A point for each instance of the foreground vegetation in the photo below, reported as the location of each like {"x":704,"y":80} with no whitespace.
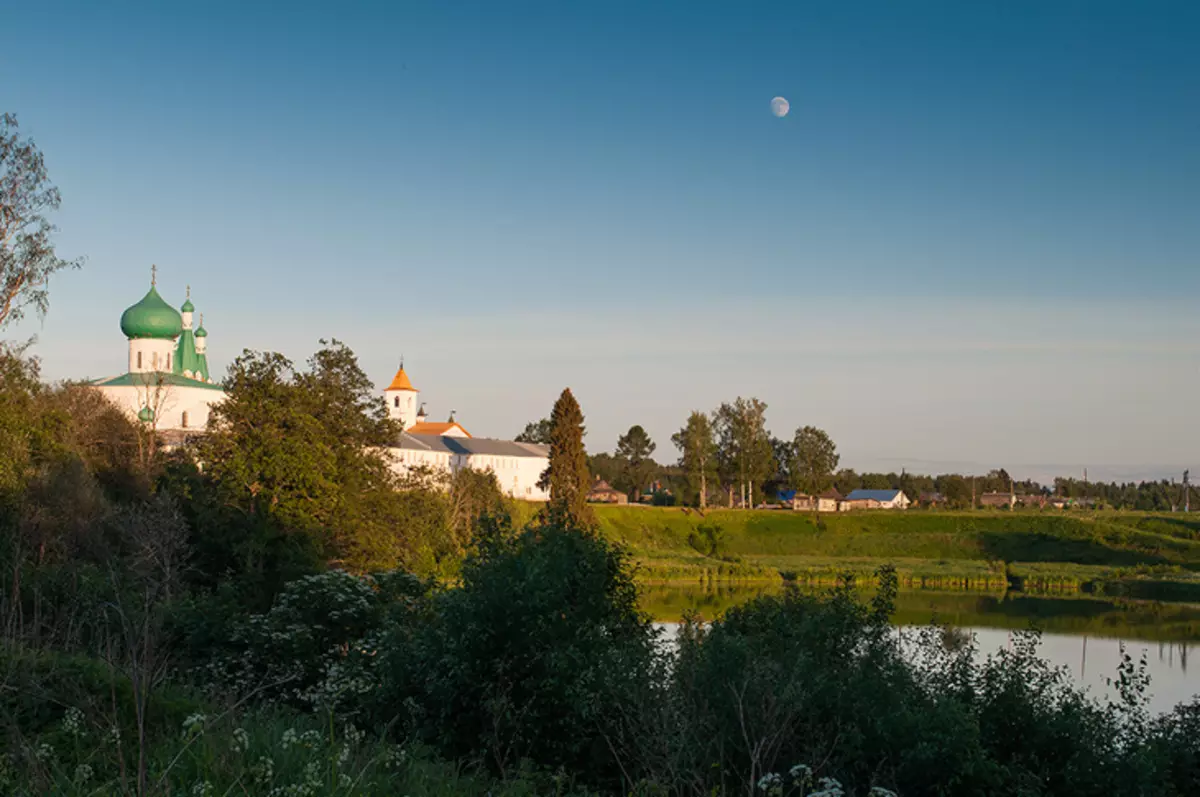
{"x":1134,"y":554}
{"x":539,"y":674}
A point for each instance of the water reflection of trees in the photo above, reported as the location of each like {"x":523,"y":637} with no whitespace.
{"x":1084,"y":615}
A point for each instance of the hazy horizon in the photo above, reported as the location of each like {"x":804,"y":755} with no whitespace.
{"x":973,"y":240}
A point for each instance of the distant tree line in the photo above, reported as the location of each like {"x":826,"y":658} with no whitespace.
{"x":728,"y":457}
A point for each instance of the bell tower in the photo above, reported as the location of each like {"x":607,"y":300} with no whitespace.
{"x":401,"y":398}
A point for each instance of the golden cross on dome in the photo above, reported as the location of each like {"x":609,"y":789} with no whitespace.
{"x":153,"y":276}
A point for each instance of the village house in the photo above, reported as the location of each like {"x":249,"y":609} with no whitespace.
{"x":875,"y":499}
{"x":603,"y":493}
{"x":827,"y":501}
{"x":1009,"y":500}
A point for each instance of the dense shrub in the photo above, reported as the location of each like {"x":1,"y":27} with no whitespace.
{"x":317,"y":643}
{"x":541,"y":654}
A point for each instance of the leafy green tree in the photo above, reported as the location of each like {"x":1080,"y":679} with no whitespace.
{"x":955,"y":490}
{"x":816,"y":459}
{"x":697,"y":454}
{"x":784,"y":458}
{"x":567,"y":475}
{"x":637,"y":469}
{"x":536,"y":432}
{"x":474,"y":495}
{"x":744,"y":446}
{"x":297,"y":454}
{"x":27,"y":256}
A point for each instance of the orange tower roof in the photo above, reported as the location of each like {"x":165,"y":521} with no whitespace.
{"x":400,"y":381}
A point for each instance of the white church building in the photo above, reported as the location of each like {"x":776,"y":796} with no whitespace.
{"x":450,"y":447}
{"x":167,"y":384}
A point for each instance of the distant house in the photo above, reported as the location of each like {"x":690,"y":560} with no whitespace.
{"x":827,"y":501}
{"x":997,"y":500}
{"x":1013,"y":500}
{"x":875,"y":499}
{"x":931,"y":499}
{"x":603,"y":493}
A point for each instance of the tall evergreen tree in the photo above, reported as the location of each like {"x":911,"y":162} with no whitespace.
{"x":697,"y":453}
{"x":637,"y":469}
{"x":567,"y":476}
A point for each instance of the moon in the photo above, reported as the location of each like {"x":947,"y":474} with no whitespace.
{"x":780,"y":107}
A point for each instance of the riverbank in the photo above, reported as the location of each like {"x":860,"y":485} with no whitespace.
{"x":1112,"y":553}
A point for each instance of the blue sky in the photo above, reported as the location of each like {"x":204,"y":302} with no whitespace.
{"x":972,"y":242}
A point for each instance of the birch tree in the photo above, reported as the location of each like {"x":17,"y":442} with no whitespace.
{"x":27,"y":255}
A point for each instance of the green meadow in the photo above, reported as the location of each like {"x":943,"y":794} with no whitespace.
{"x":1116,"y":553}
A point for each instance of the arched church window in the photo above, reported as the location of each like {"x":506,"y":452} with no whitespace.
{"x":397,"y":402}
{"x":139,"y":359}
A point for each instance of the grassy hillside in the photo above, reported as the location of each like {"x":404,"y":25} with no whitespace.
{"x":974,"y":550}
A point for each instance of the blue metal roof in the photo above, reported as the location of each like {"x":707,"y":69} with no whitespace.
{"x":873,"y":495}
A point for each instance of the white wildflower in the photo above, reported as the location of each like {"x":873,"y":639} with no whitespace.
{"x":771,"y":784}
{"x":353,"y":735}
{"x":114,"y":735}
{"x":263,"y":770}
{"x":202,"y":789}
{"x":344,"y":781}
{"x":312,"y":773}
{"x":310,"y":739}
{"x":44,"y":752}
{"x":241,"y":740}
{"x":73,"y":722}
{"x":830,"y":787}
{"x":879,"y":791}
{"x":289,"y":738}
{"x":801,"y":772}
{"x":194,"y":725}
{"x":83,"y":773}
{"x":344,"y":755}
{"x":395,"y":758}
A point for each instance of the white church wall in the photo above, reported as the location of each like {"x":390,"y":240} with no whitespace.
{"x":175,"y":407}
{"x":517,"y":476}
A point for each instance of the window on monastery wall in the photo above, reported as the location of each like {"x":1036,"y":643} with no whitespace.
{"x":139,"y":365}
{"x":397,"y":402}
{"x":183,"y":421}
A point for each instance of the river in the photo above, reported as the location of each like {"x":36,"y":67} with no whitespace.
{"x":1082,"y":634}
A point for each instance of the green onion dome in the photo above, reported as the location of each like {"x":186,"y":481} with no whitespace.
{"x":152,"y":318}
{"x":202,"y":332}
{"x":187,"y":307}
{"x":145,"y":415}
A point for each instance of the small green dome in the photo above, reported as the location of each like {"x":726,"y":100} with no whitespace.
{"x":145,"y":415}
{"x":201,"y":333}
{"x":187,"y":307}
{"x":151,"y":318}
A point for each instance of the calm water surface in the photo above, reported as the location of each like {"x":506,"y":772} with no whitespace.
{"x":1082,"y":634}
